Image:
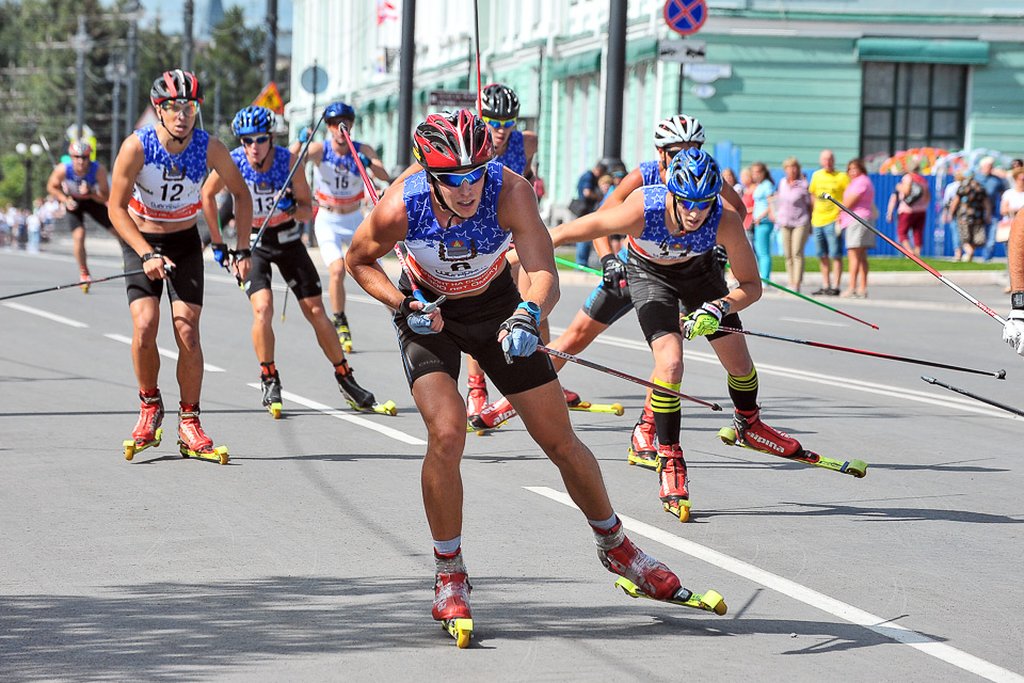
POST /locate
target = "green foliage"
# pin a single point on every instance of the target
(12, 184)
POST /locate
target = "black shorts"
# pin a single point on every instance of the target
(658, 290)
(605, 306)
(185, 283)
(76, 218)
(471, 326)
(283, 246)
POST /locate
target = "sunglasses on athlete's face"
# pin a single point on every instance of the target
(186, 107)
(499, 123)
(694, 204)
(75, 156)
(457, 179)
(248, 140)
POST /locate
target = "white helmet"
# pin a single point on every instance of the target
(678, 129)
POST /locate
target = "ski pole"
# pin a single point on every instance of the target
(622, 375)
(997, 404)
(909, 254)
(284, 307)
(823, 305)
(73, 284)
(573, 264)
(999, 374)
(287, 181)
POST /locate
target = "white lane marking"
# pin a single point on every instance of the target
(46, 314)
(389, 432)
(808, 321)
(956, 402)
(808, 596)
(173, 355)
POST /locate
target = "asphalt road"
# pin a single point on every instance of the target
(308, 557)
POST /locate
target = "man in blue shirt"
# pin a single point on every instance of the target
(994, 187)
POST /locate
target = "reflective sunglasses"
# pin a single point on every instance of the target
(187, 107)
(694, 204)
(457, 179)
(76, 156)
(249, 140)
(499, 123)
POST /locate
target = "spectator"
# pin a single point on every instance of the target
(746, 192)
(859, 197)
(5, 229)
(827, 180)
(793, 219)
(948, 217)
(588, 196)
(729, 178)
(1012, 202)
(973, 210)
(910, 199)
(34, 229)
(994, 187)
(764, 196)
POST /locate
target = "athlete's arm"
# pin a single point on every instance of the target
(633, 180)
(55, 184)
(220, 161)
(376, 165)
(517, 210)
(742, 262)
(626, 218)
(376, 236)
(302, 197)
(127, 167)
(1015, 251)
(733, 201)
(530, 145)
(211, 213)
(102, 193)
(314, 153)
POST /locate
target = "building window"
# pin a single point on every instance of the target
(911, 105)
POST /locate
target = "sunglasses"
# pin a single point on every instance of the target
(76, 156)
(249, 140)
(694, 204)
(335, 122)
(457, 179)
(499, 123)
(187, 107)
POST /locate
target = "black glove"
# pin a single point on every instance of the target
(614, 276)
(240, 254)
(720, 255)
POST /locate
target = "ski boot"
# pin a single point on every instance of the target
(491, 417)
(620, 556)
(148, 431)
(574, 402)
(359, 398)
(272, 394)
(674, 493)
(344, 334)
(451, 598)
(643, 447)
(84, 280)
(193, 441)
(476, 397)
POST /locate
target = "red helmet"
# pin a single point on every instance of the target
(80, 148)
(452, 142)
(176, 85)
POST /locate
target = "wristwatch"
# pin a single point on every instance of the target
(531, 308)
(724, 305)
(1017, 301)
(149, 255)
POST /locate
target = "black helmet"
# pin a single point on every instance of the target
(176, 85)
(500, 102)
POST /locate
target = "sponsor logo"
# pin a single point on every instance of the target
(764, 442)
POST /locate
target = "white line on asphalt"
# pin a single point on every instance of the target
(389, 432)
(163, 352)
(808, 321)
(808, 596)
(46, 314)
(828, 380)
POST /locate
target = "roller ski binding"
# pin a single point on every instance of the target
(491, 417)
(272, 394)
(710, 601)
(750, 432)
(84, 280)
(619, 556)
(193, 441)
(643, 447)
(148, 431)
(344, 333)
(357, 397)
(451, 598)
(574, 402)
(674, 493)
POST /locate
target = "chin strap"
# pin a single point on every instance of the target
(174, 137)
(443, 205)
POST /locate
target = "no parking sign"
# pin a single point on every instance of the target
(685, 17)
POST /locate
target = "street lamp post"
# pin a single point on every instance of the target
(28, 154)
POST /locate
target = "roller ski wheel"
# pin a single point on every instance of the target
(640, 460)
(588, 407)
(193, 441)
(345, 337)
(679, 509)
(271, 385)
(385, 408)
(275, 410)
(459, 629)
(855, 468)
(709, 601)
(84, 281)
(131, 446)
(214, 454)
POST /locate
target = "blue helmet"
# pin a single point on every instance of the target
(251, 120)
(339, 110)
(693, 174)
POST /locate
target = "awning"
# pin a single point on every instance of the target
(586, 62)
(922, 51)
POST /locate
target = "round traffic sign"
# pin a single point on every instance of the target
(685, 17)
(314, 80)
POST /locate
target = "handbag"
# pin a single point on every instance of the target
(1003, 230)
(579, 207)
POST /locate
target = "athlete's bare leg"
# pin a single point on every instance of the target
(444, 412)
(262, 328)
(326, 336)
(145, 357)
(190, 352)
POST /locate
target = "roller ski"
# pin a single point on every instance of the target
(148, 431)
(710, 601)
(358, 398)
(643, 447)
(344, 333)
(451, 599)
(271, 385)
(647, 575)
(84, 280)
(574, 402)
(193, 441)
(750, 432)
(674, 492)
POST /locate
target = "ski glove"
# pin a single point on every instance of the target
(523, 334)
(1013, 330)
(703, 321)
(614, 277)
(286, 205)
(220, 253)
(720, 255)
(418, 321)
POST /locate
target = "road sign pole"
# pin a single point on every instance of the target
(679, 95)
(312, 109)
